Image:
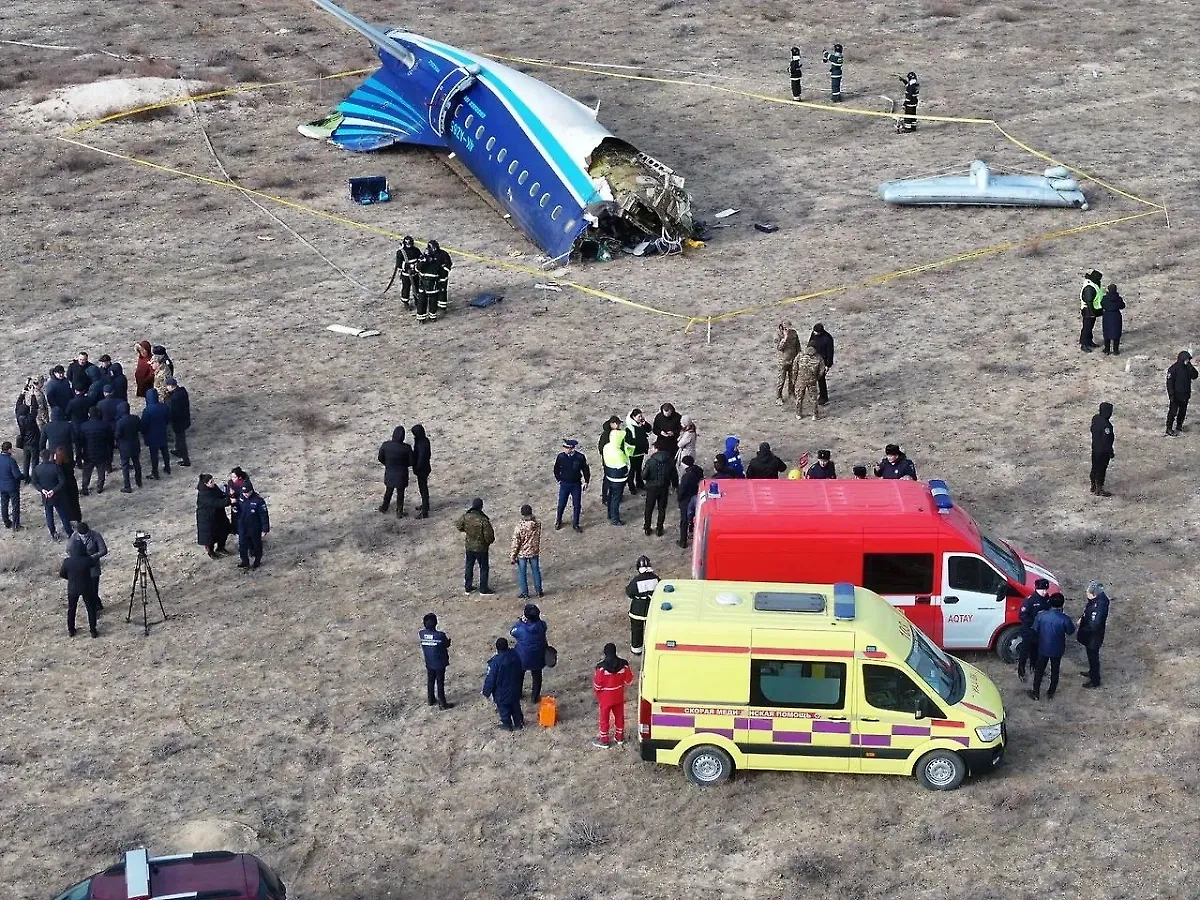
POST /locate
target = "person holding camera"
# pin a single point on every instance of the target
(96, 550)
(253, 522)
(212, 525)
(77, 570)
(787, 343)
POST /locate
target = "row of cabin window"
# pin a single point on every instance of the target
(513, 166)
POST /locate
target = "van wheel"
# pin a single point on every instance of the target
(1008, 644)
(707, 765)
(941, 770)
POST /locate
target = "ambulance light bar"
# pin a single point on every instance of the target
(941, 495)
(843, 600)
(137, 874)
(781, 601)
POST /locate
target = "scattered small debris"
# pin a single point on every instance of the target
(514, 254)
(558, 273)
(726, 213)
(483, 301)
(766, 227)
(548, 287)
(354, 332)
(263, 237)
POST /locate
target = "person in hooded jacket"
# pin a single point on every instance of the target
(637, 445)
(96, 549)
(765, 463)
(421, 453)
(479, 535)
(686, 445)
(733, 456)
(10, 487)
(1103, 444)
(503, 684)
(895, 465)
(143, 374)
(1091, 630)
(1052, 627)
(616, 472)
(128, 435)
(77, 570)
(611, 423)
(51, 484)
(1112, 322)
(612, 675)
(435, 647)
(639, 591)
(119, 382)
(689, 490)
(97, 438)
(155, 420)
(396, 458)
(1180, 376)
(822, 342)
(530, 634)
(29, 431)
(657, 478)
(212, 524)
(58, 390)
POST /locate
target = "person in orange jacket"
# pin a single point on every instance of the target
(612, 675)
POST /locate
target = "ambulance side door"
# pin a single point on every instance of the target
(800, 702)
(886, 728)
(972, 612)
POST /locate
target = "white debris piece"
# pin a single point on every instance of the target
(726, 213)
(354, 332)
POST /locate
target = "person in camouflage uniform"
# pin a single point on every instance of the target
(480, 535)
(806, 374)
(787, 342)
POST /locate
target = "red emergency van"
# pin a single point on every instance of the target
(907, 541)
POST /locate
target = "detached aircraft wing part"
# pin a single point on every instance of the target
(982, 187)
(540, 153)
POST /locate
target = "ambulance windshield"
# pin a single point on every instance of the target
(1003, 558)
(936, 669)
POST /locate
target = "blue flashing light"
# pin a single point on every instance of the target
(714, 490)
(668, 588)
(941, 495)
(843, 600)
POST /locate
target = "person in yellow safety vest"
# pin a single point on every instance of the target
(1090, 308)
(616, 471)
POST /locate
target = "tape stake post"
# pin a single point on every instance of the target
(710, 331)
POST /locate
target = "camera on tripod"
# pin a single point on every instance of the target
(141, 574)
(140, 540)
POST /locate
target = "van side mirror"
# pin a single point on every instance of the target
(1002, 592)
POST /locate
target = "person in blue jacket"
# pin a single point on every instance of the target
(252, 523)
(530, 635)
(435, 645)
(1052, 627)
(502, 685)
(155, 419)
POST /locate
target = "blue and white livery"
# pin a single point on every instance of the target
(558, 172)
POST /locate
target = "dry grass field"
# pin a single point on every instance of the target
(283, 711)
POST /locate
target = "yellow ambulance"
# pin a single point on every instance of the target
(807, 678)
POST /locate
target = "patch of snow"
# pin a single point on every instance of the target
(85, 102)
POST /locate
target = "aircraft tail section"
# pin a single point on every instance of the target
(377, 115)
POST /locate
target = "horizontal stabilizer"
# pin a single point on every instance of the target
(377, 115)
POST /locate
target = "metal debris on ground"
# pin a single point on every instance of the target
(483, 301)
(725, 213)
(354, 332)
(766, 227)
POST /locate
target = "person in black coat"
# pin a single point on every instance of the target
(212, 525)
(77, 570)
(57, 433)
(77, 372)
(119, 382)
(895, 465)
(689, 488)
(822, 342)
(51, 485)
(435, 647)
(29, 434)
(1103, 441)
(253, 522)
(77, 414)
(1179, 391)
(110, 412)
(396, 458)
(1112, 322)
(1091, 630)
(502, 685)
(824, 467)
(156, 420)
(97, 443)
(71, 494)
(421, 452)
(58, 390)
(765, 463)
(128, 434)
(181, 418)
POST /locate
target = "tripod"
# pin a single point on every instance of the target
(142, 571)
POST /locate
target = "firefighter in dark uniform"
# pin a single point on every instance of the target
(444, 265)
(639, 592)
(796, 69)
(912, 90)
(1034, 604)
(836, 60)
(407, 258)
(1090, 308)
(427, 286)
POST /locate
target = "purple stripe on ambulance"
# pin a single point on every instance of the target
(723, 732)
(873, 740)
(791, 737)
(910, 730)
(823, 727)
(965, 741)
(667, 721)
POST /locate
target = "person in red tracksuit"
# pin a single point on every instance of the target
(612, 674)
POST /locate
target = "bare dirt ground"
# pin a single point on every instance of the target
(282, 712)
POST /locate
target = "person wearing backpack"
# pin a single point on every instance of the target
(657, 476)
